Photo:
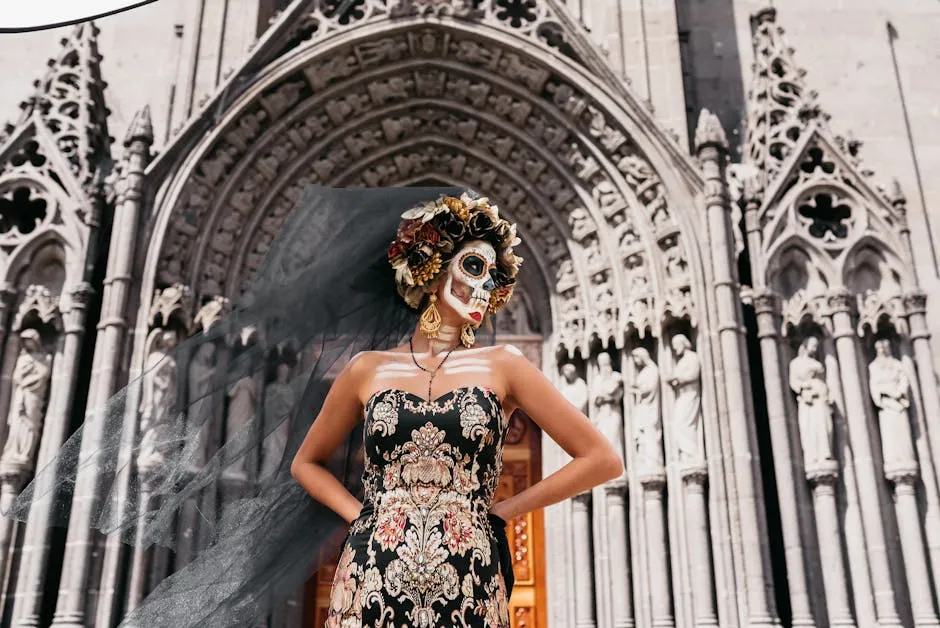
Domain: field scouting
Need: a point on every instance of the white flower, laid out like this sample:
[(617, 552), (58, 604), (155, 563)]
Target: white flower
[(403, 272), (425, 212)]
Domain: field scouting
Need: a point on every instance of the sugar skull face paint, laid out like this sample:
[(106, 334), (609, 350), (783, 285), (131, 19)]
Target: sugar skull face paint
[(469, 283)]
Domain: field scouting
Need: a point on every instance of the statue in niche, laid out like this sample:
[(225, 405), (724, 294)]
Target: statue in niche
[(807, 378), (574, 388), (201, 367), (243, 400), (890, 390), (160, 389), (279, 399), (686, 381), (31, 375), (647, 420), (608, 397)]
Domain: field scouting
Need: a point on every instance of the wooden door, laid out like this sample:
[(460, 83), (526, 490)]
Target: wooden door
[(522, 467)]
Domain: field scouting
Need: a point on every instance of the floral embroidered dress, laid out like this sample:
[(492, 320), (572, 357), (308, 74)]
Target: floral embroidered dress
[(425, 552)]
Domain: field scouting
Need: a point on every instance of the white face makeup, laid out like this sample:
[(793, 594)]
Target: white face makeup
[(469, 283)]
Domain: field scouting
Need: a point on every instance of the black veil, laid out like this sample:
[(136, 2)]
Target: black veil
[(326, 290)]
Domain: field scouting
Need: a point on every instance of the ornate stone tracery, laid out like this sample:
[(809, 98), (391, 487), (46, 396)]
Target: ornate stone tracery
[(435, 103)]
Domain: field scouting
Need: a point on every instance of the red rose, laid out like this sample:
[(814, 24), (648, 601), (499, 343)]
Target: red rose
[(428, 233)]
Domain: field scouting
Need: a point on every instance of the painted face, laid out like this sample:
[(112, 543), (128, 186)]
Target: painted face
[(468, 284)]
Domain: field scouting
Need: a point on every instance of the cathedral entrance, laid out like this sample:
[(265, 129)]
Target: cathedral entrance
[(522, 467)]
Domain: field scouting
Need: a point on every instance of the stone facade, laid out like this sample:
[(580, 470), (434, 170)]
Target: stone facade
[(749, 321)]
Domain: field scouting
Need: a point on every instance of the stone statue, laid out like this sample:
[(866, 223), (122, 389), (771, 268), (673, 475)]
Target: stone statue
[(686, 381), (608, 398), (200, 380), (31, 375), (814, 412), (243, 400), (160, 390), (574, 388), (647, 420), (890, 390), (279, 399)]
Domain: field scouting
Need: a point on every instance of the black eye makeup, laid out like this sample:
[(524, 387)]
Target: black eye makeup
[(473, 265)]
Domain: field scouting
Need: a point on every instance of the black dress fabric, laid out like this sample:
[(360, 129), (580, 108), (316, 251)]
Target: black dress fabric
[(425, 551)]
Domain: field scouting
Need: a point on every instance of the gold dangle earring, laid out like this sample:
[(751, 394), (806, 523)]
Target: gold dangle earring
[(431, 319), (466, 335)]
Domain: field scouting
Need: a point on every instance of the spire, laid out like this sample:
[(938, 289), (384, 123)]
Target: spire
[(69, 102), (780, 107), (141, 128)]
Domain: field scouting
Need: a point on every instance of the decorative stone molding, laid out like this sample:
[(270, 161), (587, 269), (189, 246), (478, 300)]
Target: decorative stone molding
[(433, 103), (211, 313), (172, 303), (40, 303)]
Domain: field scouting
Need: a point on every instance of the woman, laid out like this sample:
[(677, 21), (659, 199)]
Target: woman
[(420, 550), (329, 289)]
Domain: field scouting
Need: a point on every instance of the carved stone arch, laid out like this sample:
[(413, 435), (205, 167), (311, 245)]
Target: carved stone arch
[(796, 253), (871, 265), (38, 192), (602, 151)]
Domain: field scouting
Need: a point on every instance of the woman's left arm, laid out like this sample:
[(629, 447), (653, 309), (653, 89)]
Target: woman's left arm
[(594, 460)]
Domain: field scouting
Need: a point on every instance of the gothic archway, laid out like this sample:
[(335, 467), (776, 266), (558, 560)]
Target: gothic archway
[(608, 208)]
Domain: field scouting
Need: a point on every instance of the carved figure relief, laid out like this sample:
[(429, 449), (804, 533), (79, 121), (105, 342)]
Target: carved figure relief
[(890, 391), (807, 378), (279, 399), (160, 390), (574, 388), (686, 381), (31, 375), (647, 417), (243, 400), (608, 398), (199, 381)]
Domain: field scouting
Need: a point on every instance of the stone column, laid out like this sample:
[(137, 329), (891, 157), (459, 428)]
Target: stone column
[(915, 303), (912, 545), (654, 485), (869, 476), (8, 294), (70, 609), (699, 544), (787, 468), (583, 564), (823, 477), (712, 151), (620, 582), (36, 538), (862, 589)]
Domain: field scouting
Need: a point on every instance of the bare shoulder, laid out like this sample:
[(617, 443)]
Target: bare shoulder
[(507, 359)]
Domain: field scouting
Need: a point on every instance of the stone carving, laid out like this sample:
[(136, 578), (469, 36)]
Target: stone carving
[(160, 390), (686, 381), (279, 399), (647, 417), (807, 378), (243, 402), (890, 390), (608, 397), (199, 380), (574, 388), (31, 375)]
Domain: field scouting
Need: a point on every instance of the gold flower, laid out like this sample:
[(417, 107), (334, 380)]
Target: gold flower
[(499, 298), (428, 270), (458, 206)]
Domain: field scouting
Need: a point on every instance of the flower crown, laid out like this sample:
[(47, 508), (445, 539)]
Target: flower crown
[(430, 234)]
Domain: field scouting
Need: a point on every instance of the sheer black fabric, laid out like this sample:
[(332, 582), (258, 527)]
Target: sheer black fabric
[(325, 290)]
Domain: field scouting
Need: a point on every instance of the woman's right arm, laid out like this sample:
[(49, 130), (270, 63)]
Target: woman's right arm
[(342, 410)]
